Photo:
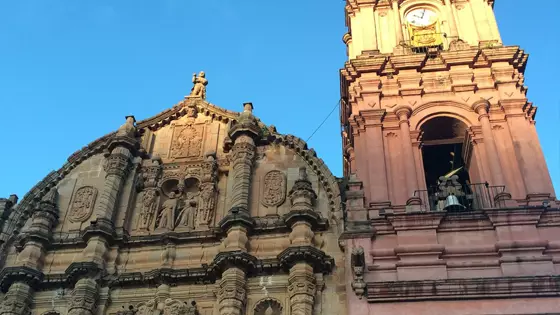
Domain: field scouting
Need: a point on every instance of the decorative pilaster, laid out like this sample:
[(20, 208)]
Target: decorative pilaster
[(301, 257), (302, 289), (233, 262), (232, 293), (21, 280), (481, 108), (151, 174), (83, 299), (118, 161), (409, 163), (375, 151), (101, 231), (17, 300)]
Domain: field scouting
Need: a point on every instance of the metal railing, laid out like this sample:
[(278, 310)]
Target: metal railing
[(446, 40), (473, 197)]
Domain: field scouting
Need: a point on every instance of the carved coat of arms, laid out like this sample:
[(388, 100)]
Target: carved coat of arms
[(274, 189), (187, 141), (82, 204)]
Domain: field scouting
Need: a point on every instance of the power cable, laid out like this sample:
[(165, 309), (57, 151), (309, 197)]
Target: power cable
[(321, 125)]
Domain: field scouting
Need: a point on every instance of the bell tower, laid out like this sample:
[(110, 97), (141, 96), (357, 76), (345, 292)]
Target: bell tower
[(433, 98)]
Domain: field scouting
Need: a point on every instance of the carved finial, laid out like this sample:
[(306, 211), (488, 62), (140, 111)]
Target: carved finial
[(51, 197), (128, 129), (199, 88)]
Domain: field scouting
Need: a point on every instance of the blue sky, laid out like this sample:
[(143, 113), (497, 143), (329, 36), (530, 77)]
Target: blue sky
[(71, 70)]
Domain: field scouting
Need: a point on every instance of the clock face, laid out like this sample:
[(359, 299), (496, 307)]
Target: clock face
[(421, 17)]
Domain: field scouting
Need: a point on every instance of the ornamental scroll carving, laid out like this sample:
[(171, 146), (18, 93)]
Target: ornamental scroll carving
[(274, 189), (82, 204), (187, 141)]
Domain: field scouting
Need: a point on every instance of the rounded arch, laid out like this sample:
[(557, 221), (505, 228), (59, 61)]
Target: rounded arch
[(427, 111)]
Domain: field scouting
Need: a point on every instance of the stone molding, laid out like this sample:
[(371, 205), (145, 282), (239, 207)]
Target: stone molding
[(390, 223), (321, 262), (29, 276), (471, 288)]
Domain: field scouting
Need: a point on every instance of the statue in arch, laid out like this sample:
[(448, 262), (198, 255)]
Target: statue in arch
[(167, 214), (187, 216)]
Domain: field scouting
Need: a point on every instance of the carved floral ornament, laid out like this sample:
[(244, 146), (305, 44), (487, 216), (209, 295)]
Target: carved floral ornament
[(268, 306), (82, 204)]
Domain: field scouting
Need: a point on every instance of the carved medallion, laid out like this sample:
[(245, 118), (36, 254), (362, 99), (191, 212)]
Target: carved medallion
[(82, 204), (187, 141), (274, 189)]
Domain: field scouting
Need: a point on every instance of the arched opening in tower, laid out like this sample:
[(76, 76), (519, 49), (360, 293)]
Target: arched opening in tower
[(442, 150)]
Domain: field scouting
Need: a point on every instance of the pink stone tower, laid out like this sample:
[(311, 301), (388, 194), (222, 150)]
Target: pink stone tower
[(450, 207)]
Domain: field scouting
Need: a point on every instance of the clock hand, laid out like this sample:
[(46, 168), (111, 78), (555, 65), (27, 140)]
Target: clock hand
[(423, 13)]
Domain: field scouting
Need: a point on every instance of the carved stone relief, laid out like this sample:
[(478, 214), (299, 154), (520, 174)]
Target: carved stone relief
[(274, 189), (82, 204), (187, 141), (149, 208), (167, 307)]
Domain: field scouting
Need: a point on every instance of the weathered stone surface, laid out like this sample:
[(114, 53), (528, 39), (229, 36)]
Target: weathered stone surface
[(169, 211)]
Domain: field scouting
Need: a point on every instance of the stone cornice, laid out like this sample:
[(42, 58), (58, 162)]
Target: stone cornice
[(453, 289), (474, 58), (480, 220), (204, 274)]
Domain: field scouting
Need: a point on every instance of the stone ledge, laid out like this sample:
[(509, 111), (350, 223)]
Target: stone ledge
[(321, 262), (452, 289), (27, 275)]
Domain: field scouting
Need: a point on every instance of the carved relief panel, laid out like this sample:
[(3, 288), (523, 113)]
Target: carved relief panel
[(187, 141), (82, 204), (273, 189)]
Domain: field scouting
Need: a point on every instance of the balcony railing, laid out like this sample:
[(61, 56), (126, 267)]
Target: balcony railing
[(468, 197)]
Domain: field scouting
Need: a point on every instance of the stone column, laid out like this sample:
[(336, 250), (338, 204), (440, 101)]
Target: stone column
[(377, 169), (301, 289), (232, 292), (451, 19), (233, 262), (17, 300), (243, 153), (481, 108), (302, 257), (409, 163), (21, 279), (83, 299), (398, 22), (101, 232)]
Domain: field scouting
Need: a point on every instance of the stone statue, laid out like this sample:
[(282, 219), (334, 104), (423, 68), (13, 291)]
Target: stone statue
[(128, 129), (187, 215), (167, 214), (208, 202), (200, 83), (149, 207)]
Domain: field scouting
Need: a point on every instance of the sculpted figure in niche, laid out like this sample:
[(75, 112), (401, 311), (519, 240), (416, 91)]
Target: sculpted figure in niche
[(149, 206), (186, 217), (167, 214), (199, 88), (208, 201)]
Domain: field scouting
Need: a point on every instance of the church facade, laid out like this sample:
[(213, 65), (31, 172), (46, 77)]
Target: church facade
[(446, 205)]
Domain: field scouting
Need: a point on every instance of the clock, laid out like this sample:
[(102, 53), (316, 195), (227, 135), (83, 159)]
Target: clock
[(421, 17)]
